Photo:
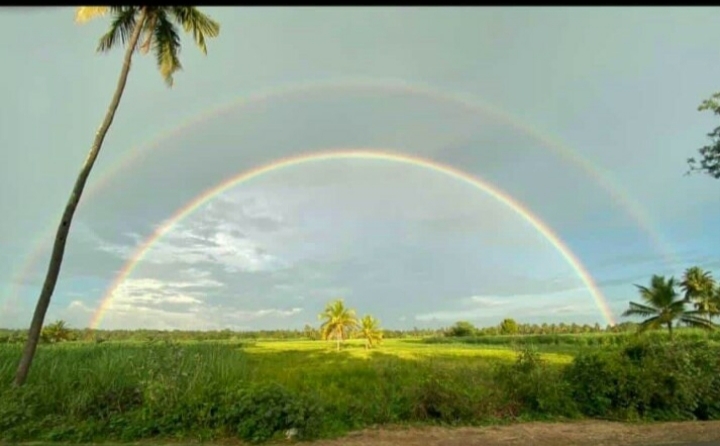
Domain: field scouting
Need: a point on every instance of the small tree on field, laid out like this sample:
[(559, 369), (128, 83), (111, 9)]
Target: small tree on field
[(461, 329), (509, 327), (339, 322), (370, 331), (56, 332)]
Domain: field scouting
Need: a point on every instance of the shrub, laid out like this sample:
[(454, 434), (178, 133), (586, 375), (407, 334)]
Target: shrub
[(648, 379), (534, 386), (261, 412)]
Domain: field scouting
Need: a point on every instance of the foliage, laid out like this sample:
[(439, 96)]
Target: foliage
[(369, 329), (709, 162), (508, 327), (701, 290), (338, 321), (533, 386), (263, 411), (56, 332), (648, 380), (662, 307), (160, 31), (460, 329), (255, 391)]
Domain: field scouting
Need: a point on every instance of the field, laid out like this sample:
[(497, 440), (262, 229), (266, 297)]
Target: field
[(257, 390)]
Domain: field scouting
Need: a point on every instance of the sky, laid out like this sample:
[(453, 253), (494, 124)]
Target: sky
[(584, 117)]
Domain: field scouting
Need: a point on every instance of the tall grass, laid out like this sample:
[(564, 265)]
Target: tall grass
[(255, 391)]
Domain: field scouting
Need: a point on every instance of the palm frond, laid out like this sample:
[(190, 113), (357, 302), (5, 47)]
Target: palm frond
[(640, 310), (149, 31), (86, 13), (695, 320), (167, 47), (121, 28), (652, 323), (199, 24)]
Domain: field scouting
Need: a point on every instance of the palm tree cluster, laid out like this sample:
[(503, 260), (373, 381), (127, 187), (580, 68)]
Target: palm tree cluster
[(340, 323), (663, 305)]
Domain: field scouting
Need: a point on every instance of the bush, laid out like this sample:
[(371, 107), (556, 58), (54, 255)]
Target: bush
[(260, 413), (534, 387), (648, 379)]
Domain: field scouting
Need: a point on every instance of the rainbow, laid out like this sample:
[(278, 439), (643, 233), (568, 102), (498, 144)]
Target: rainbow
[(602, 178), (363, 154)]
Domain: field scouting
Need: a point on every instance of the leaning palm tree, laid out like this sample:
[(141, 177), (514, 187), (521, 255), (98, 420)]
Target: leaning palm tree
[(662, 307), (158, 27), (369, 329), (699, 288), (339, 322)]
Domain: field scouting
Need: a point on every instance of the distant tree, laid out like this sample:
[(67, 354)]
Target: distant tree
[(508, 327), (461, 329), (310, 332), (56, 332), (699, 288), (158, 28), (663, 306), (339, 322), (370, 331), (709, 162)]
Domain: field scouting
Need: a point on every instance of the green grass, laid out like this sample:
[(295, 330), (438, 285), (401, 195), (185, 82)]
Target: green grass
[(126, 391)]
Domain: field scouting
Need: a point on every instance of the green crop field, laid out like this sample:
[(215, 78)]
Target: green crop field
[(258, 389)]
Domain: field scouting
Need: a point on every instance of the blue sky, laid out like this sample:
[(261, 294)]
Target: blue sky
[(498, 93)]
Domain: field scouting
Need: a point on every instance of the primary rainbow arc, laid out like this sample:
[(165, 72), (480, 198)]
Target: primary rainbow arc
[(371, 154)]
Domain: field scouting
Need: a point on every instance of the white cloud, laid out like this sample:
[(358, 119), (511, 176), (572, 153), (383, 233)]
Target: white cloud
[(478, 308), (158, 304)]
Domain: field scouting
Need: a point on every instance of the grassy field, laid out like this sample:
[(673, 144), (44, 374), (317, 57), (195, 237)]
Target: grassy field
[(128, 391)]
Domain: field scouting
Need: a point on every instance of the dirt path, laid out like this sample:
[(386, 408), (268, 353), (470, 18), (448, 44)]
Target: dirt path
[(582, 433), (585, 433)]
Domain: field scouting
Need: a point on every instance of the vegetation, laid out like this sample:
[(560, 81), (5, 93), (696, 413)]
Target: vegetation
[(709, 161), (158, 28), (339, 322), (207, 385), (663, 307), (257, 390), (370, 331), (700, 289)]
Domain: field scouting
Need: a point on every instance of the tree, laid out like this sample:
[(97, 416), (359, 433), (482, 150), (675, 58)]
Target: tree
[(56, 332), (508, 327), (370, 331), (709, 162), (158, 27), (310, 332), (662, 306), (462, 329), (339, 322), (699, 288)]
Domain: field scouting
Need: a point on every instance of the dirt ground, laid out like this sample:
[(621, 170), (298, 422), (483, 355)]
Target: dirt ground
[(585, 433)]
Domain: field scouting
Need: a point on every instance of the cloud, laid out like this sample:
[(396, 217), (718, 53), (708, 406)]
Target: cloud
[(492, 309), (152, 303)]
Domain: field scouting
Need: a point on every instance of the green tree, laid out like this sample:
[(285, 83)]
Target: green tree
[(339, 322), (709, 162), (699, 288), (508, 327), (310, 332), (663, 306), (158, 27), (58, 331), (370, 331), (462, 329)]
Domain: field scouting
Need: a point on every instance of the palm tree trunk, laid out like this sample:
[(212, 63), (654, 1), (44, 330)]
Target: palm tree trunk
[(62, 232), (670, 330)]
